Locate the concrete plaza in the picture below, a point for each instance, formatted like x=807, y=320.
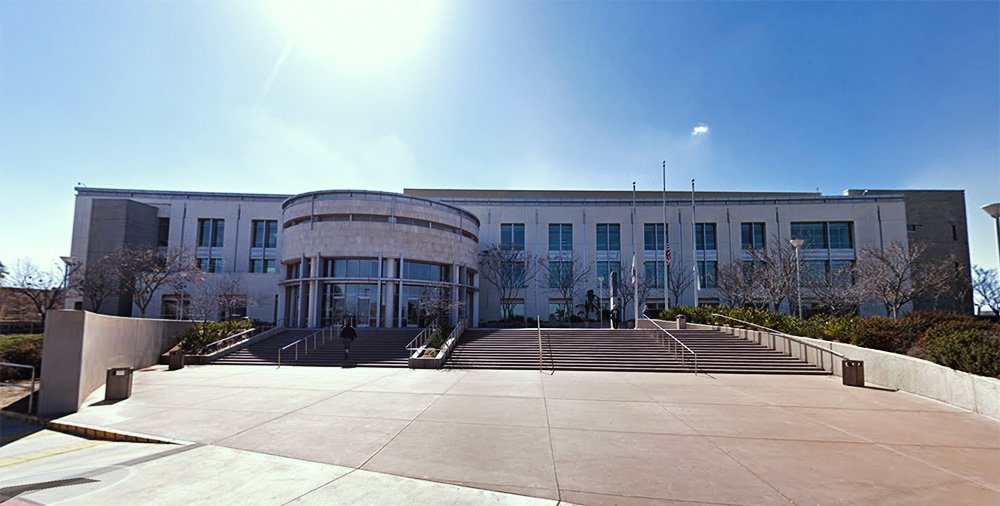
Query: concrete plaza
x=381, y=436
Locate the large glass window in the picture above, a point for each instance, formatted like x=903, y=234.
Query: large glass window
x=604, y=270
x=211, y=232
x=560, y=237
x=293, y=271
x=559, y=273
x=814, y=234
x=752, y=235
x=355, y=302
x=263, y=266
x=840, y=235
x=842, y=272
x=654, y=236
x=265, y=234
x=705, y=236
x=559, y=310
x=654, y=274
x=512, y=236
x=609, y=237
x=210, y=264
x=424, y=271
x=706, y=273
x=350, y=267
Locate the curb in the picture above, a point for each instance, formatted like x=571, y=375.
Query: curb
x=88, y=431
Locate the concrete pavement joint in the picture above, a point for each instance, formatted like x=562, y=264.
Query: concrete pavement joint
x=717, y=447
x=552, y=450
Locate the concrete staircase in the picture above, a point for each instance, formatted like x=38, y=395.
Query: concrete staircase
x=617, y=350
x=372, y=348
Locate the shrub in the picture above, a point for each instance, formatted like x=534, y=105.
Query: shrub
x=21, y=349
x=971, y=351
x=195, y=339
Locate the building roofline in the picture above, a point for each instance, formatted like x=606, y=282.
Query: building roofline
x=384, y=194
x=123, y=192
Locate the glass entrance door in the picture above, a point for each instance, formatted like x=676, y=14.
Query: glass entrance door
x=364, y=312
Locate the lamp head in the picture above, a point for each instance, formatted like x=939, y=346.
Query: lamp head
x=993, y=210
x=797, y=243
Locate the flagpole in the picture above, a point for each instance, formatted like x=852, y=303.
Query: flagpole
x=666, y=297
x=694, y=247
x=635, y=281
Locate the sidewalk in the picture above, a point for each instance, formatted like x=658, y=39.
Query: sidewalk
x=322, y=434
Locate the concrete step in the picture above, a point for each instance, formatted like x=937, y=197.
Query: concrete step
x=372, y=348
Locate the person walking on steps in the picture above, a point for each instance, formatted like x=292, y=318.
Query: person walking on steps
x=348, y=334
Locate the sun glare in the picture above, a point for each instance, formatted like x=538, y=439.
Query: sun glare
x=358, y=35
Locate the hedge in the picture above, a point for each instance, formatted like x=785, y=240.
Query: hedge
x=21, y=349
x=961, y=342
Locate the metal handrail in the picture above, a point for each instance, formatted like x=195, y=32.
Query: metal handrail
x=321, y=334
x=683, y=347
x=541, y=361
x=420, y=340
x=790, y=337
x=224, y=339
x=31, y=392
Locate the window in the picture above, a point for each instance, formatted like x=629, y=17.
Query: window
x=840, y=235
x=263, y=266
x=163, y=232
x=559, y=310
x=210, y=264
x=516, y=308
x=813, y=271
x=292, y=271
x=842, y=272
x=604, y=270
x=911, y=229
x=560, y=273
x=653, y=235
x=706, y=273
x=752, y=235
x=514, y=272
x=705, y=236
x=424, y=271
x=512, y=236
x=172, y=308
x=814, y=234
x=820, y=235
x=265, y=234
x=560, y=237
x=211, y=232
x=609, y=237
x=350, y=268
x=654, y=274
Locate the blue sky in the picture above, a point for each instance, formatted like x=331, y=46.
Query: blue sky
x=261, y=97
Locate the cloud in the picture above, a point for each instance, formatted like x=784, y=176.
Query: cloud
x=699, y=129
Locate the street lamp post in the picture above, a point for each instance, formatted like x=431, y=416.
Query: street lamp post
x=994, y=211
x=797, y=243
x=600, y=301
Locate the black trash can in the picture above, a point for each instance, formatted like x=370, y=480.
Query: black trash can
x=175, y=360
x=119, y=384
x=854, y=373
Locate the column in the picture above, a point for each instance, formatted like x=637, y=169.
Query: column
x=390, y=294
x=475, y=301
x=453, y=318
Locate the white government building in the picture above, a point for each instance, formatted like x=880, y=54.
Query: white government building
x=315, y=258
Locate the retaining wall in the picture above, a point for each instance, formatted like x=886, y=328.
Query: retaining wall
x=80, y=347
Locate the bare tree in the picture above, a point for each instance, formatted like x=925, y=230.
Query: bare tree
x=986, y=285
x=507, y=269
x=3, y=271
x=218, y=298
x=44, y=289
x=836, y=291
x=438, y=305
x=679, y=279
x=897, y=275
x=144, y=270
x=97, y=282
x=732, y=283
x=566, y=276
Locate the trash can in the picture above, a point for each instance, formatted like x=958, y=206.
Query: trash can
x=681, y=322
x=119, y=384
x=175, y=360
x=854, y=373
